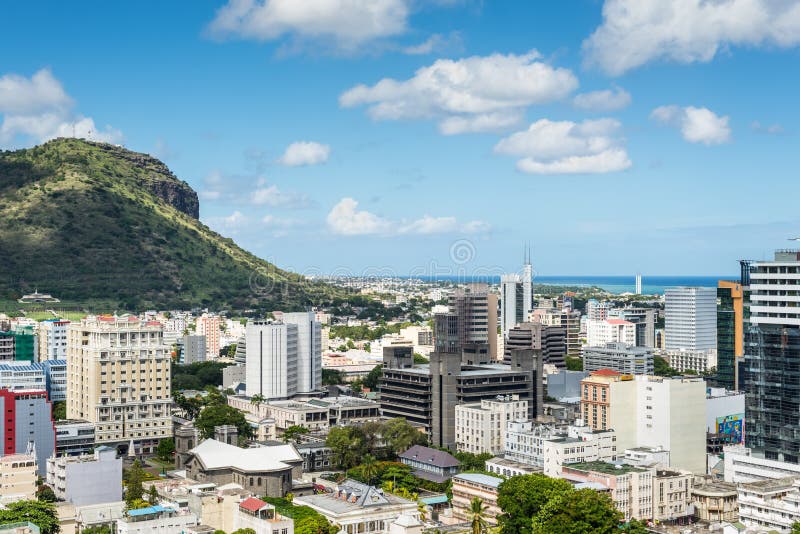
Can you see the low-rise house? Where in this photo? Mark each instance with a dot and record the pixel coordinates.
(86, 479)
(160, 519)
(266, 470)
(430, 464)
(255, 514)
(468, 486)
(359, 508)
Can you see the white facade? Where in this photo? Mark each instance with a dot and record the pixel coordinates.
(684, 360)
(690, 318)
(18, 375)
(209, 326)
(770, 505)
(481, 427)
(53, 340)
(156, 520)
(271, 365)
(87, 479)
(510, 302)
(600, 332)
(549, 449)
(742, 466)
(596, 311)
(722, 404)
(262, 521)
(309, 350)
(18, 475)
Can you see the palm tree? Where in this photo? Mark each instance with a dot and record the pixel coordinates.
(477, 516)
(257, 399)
(423, 510)
(369, 468)
(388, 486)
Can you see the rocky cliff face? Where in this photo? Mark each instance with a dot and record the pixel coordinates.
(159, 180)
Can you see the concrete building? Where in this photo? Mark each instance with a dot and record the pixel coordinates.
(468, 486)
(358, 508)
(700, 361)
(427, 395)
(53, 339)
(510, 468)
(50, 375)
(646, 456)
(600, 333)
(550, 340)
(160, 519)
(262, 470)
(770, 505)
(672, 495)
(730, 332)
(725, 413)
(631, 487)
(7, 346)
(284, 358)
(261, 517)
(596, 310)
(118, 377)
(772, 350)
(565, 385)
(18, 475)
(208, 325)
(192, 349)
(480, 427)
(512, 310)
(620, 357)
(233, 375)
(55, 374)
(86, 479)
(690, 318)
(27, 423)
(473, 320)
(743, 464)
(314, 414)
(645, 321)
(652, 412)
(74, 437)
(716, 502)
(550, 448)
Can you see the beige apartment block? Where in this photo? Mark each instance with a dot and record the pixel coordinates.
(17, 478)
(118, 377)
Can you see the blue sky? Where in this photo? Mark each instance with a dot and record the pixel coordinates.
(616, 136)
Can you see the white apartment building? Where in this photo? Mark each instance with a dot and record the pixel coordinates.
(481, 427)
(209, 326)
(620, 357)
(118, 377)
(261, 517)
(548, 448)
(18, 475)
(511, 302)
(309, 350)
(690, 318)
(631, 487)
(271, 368)
(683, 360)
(597, 311)
(770, 505)
(86, 479)
(600, 332)
(743, 465)
(156, 519)
(53, 339)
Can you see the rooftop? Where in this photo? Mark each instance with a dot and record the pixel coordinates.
(430, 456)
(479, 478)
(217, 455)
(605, 468)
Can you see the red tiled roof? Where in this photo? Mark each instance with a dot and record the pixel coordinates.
(251, 504)
(605, 372)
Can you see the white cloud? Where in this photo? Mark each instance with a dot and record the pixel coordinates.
(565, 147)
(37, 109)
(229, 223)
(635, 32)
(435, 43)
(348, 23)
(603, 101)
(478, 93)
(274, 197)
(305, 153)
(697, 125)
(346, 219)
(773, 129)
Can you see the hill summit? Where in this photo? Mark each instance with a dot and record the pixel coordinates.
(90, 221)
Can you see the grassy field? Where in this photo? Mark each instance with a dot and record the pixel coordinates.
(73, 311)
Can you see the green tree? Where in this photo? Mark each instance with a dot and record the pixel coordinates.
(348, 445)
(41, 514)
(369, 468)
(257, 399)
(374, 377)
(244, 531)
(473, 462)
(574, 363)
(45, 494)
(332, 377)
(59, 410)
(165, 449)
(102, 529)
(133, 487)
(583, 511)
(152, 494)
(293, 432)
(222, 414)
(399, 435)
(191, 406)
(634, 526)
(477, 516)
(522, 497)
(796, 527)
(662, 368)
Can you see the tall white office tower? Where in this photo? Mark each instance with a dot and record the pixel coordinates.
(271, 364)
(527, 286)
(309, 350)
(511, 302)
(690, 318)
(638, 284)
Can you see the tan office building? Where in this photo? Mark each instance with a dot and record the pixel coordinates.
(17, 478)
(118, 377)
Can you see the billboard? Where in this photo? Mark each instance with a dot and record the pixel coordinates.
(732, 425)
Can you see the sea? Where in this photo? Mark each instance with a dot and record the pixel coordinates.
(651, 285)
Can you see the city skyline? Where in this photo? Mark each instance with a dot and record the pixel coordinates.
(324, 145)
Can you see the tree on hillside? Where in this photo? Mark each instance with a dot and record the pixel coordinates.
(583, 511)
(522, 497)
(41, 514)
(348, 446)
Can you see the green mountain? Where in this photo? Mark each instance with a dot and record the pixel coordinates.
(88, 222)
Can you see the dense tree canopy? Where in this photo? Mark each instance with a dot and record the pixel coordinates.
(584, 511)
(222, 414)
(348, 445)
(522, 497)
(41, 514)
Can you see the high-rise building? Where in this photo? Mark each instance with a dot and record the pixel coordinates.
(192, 349)
(53, 339)
(772, 358)
(512, 310)
(690, 318)
(638, 284)
(550, 340)
(118, 377)
(26, 346)
(26, 426)
(284, 358)
(472, 319)
(645, 321)
(730, 332)
(209, 326)
(596, 310)
(481, 426)
(600, 332)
